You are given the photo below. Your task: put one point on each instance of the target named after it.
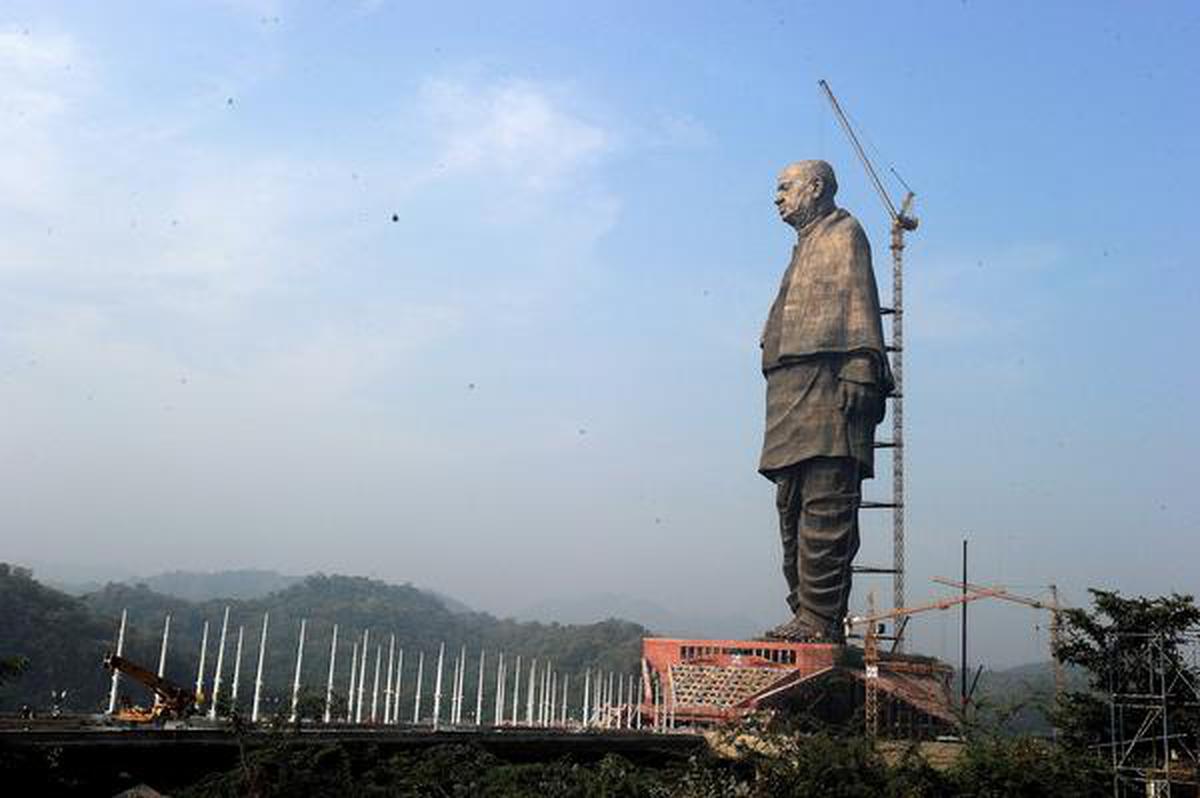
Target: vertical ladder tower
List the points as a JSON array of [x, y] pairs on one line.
[[902, 222]]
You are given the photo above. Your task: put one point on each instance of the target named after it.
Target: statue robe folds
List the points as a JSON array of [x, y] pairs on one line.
[[823, 328]]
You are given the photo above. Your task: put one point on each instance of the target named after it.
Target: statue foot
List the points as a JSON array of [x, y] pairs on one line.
[[798, 630], [795, 630]]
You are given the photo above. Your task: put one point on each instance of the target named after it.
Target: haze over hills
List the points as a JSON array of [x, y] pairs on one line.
[[202, 586], [241, 583], [191, 585], [658, 619], [249, 583], [1022, 697]]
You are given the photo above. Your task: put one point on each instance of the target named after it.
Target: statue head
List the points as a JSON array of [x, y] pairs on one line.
[[805, 192]]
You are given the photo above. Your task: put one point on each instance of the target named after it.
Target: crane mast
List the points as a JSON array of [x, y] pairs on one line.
[[902, 221], [871, 640]]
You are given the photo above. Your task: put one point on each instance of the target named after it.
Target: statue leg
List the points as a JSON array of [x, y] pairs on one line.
[[789, 503], [828, 541]]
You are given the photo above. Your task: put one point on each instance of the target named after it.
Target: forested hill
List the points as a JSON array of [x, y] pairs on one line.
[[239, 584], [64, 638], [1020, 699], [57, 634]]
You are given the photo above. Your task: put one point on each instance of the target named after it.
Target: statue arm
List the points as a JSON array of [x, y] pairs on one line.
[[859, 387], [859, 369], [865, 371]]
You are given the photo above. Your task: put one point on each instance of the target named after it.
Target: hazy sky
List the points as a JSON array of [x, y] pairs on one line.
[[470, 295]]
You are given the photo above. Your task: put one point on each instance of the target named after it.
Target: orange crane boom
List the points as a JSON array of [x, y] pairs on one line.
[[871, 641], [975, 594], [172, 700], [1039, 604]]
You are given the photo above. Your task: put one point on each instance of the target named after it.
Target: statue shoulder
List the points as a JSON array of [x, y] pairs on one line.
[[843, 230], [842, 222]]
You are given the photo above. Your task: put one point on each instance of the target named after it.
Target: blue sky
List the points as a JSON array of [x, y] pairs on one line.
[[218, 349]]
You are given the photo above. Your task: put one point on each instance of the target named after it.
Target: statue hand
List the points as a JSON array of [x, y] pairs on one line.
[[858, 399]]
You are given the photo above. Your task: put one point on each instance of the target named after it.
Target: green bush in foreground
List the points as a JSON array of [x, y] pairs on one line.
[[808, 765], [1024, 766], [451, 770]]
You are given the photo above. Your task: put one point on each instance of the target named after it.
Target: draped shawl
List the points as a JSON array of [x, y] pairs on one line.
[[828, 303]]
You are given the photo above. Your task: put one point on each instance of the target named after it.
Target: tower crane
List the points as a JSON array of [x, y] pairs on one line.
[[902, 221], [1052, 605], [872, 620]]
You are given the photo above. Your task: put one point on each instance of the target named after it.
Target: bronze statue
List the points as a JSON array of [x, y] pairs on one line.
[[827, 376]]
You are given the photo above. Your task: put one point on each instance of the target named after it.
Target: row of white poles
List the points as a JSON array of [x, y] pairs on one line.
[[663, 701], [218, 672], [610, 700]]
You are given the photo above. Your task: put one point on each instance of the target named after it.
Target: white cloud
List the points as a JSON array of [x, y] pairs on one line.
[[255, 8], [678, 131], [133, 246], [123, 219], [34, 55], [333, 361], [40, 77], [514, 127], [78, 349], [142, 221]]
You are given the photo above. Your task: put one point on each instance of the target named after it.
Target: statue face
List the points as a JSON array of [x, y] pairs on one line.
[[798, 195]]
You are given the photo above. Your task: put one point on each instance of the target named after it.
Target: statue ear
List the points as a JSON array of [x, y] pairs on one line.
[[818, 186]]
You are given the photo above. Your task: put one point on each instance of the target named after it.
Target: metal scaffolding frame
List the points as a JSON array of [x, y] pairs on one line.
[[1154, 690], [897, 442]]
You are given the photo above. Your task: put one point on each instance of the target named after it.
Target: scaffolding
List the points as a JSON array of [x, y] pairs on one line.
[[1154, 713]]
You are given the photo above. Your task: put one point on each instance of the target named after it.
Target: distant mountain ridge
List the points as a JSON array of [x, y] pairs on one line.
[[242, 583], [65, 637], [659, 619], [246, 583], [1023, 695]]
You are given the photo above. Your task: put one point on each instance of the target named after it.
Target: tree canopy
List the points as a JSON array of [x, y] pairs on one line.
[[1129, 646]]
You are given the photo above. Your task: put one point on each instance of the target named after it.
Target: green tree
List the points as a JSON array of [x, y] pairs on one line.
[[1000, 768], [1127, 645], [51, 641]]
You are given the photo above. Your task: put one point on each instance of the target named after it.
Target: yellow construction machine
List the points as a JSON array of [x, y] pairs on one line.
[[170, 700]]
